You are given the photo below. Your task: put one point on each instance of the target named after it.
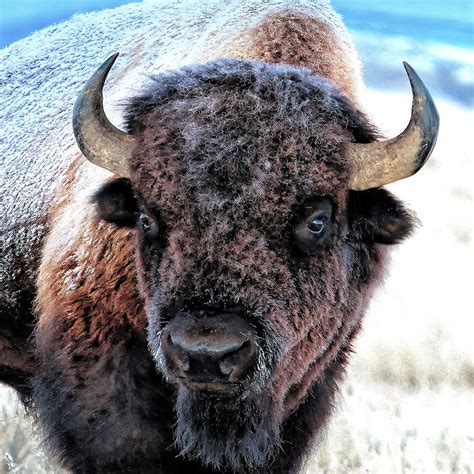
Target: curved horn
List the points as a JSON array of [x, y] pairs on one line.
[[101, 142], [380, 163]]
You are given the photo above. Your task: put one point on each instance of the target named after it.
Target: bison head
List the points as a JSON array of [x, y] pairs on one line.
[[258, 237]]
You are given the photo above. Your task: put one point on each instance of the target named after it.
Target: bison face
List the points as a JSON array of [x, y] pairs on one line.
[[255, 260]]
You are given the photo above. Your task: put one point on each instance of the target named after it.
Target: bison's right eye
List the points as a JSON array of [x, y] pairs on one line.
[[145, 221], [149, 225], [313, 231], [317, 225]]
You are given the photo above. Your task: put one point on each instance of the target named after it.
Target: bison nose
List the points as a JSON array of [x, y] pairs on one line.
[[203, 351], [217, 358]]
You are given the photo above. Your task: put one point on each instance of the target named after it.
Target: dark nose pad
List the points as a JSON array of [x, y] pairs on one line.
[[218, 348]]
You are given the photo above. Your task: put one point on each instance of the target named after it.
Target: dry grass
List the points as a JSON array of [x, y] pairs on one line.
[[20, 450], [408, 402]]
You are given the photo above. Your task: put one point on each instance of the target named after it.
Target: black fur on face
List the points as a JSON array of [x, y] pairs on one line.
[[225, 432], [377, 216], [115, 202]]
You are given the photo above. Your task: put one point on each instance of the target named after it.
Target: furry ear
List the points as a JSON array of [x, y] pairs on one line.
[[377, 216], [115, 202]]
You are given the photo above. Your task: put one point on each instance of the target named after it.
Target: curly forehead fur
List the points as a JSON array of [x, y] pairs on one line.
[[238, 125]]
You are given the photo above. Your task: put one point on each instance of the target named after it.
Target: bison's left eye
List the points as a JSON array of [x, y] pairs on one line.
[[313, 230], [149, 225]]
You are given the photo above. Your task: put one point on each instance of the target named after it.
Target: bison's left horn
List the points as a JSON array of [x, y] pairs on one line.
[[379, 163], [101, 142]]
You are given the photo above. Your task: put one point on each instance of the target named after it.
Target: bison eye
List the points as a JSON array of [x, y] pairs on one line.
[[145, 221], [148, 224], [317, 225], [313, 231]]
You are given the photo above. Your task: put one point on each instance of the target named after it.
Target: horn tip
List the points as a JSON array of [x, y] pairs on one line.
[[109, 62], [407, 66], [415, 79], [430, 119]]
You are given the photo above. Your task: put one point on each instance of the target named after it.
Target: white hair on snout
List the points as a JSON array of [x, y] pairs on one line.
[[157, 352], [153, 307]]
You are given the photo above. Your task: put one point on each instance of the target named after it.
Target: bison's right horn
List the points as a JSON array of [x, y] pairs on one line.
[[101, 142]]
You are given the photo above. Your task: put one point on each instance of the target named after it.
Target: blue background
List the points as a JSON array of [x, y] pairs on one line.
[[428, 20], [386, 32]]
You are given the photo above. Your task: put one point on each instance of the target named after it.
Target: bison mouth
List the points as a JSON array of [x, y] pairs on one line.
[[223, 431]]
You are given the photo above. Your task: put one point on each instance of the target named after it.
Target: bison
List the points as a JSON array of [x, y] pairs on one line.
[[192, 308]]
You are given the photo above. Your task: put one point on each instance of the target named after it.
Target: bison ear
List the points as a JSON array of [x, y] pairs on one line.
[[115, 202], [377, 216]]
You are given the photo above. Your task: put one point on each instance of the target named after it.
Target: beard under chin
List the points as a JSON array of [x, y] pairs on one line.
[[225, 432]]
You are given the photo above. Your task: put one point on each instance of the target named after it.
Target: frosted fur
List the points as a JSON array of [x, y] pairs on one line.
[[37, 145]]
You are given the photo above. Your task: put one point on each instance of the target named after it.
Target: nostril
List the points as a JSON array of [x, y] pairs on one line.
[[226, 367], [230, 363], [234, 358]]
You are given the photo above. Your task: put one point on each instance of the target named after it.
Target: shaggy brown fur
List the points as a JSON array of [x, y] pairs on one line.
[[202, 163], [293, 37], [227, 198], [91, 337], [17, 359]]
